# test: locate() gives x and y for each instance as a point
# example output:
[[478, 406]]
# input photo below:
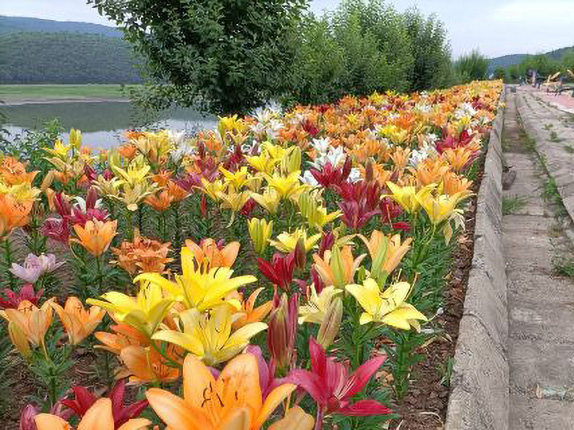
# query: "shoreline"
[[47, 100]]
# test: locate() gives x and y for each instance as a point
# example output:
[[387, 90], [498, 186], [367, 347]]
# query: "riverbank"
[[28, 94]]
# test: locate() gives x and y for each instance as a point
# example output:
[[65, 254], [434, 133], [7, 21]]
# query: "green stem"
[[9, 260]]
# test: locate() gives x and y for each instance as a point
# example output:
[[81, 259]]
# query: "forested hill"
[[11, 24], [38, 51], [515, 59]]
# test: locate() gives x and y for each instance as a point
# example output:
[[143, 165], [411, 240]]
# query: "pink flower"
[[332, 388], [14, 299], [35, 266], [282, 331], [57, 229], [84, 400], [279, 270]]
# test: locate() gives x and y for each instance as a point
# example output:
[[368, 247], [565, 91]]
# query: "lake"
[[101, 123]]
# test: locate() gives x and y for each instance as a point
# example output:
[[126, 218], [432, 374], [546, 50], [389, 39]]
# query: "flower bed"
[[284, 269]]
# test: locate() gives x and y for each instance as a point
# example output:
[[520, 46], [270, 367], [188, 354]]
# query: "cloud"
[[535, 12]]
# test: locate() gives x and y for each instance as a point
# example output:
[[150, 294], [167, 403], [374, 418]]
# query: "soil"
[[425, 405]]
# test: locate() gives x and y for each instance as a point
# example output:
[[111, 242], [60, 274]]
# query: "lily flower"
[[123, 336], [26, 293], [209, 337], [146, 365], [439, 208], [144, 312], [31, 321], [279, 270], [295, 419], [210, 254], [83, 400], [249, 313], [332, 388], [269, 200], [315, 309], [160, 201], [232, 401], [96, 236], [286, 186], [197, 289], [77, 321], [386, 252], [388, 307], [337, 267], [35, 266], [13, 214], [282, 331], [98, 417], [408, 197], [142, 255], [287, 242], [260, 231]]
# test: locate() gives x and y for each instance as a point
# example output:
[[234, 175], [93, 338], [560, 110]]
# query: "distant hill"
[[41, 51], [11, 24], [509, 60]]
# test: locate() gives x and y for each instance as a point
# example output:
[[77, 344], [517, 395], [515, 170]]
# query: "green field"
[[51, 92]]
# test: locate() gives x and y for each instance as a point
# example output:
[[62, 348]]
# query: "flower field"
[[280, 272]]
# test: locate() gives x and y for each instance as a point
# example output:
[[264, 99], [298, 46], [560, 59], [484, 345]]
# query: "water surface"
[[101, 123]]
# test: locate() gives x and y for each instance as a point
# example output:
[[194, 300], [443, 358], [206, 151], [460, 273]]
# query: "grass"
[[569, 148], [511, 205], [564, 266], [39, 92]]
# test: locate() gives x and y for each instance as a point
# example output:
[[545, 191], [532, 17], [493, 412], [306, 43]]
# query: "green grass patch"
[[511, 205], [38, 92], [569, 148], [564, 266]]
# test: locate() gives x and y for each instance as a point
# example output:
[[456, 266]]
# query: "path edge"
[[479, 394]]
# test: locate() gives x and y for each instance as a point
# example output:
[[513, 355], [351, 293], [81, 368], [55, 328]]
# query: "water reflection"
[[101, 122]]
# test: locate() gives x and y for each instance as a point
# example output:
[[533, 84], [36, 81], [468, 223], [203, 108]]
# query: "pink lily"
[[14, 299]]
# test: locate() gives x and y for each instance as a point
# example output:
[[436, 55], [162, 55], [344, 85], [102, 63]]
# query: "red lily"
[[280, 270], [57, 229], [330, 385], [367, 194], [389, 210], [332, 176], [327, 242], [355, 214], [449, 141], [85, 399], [13, 299]]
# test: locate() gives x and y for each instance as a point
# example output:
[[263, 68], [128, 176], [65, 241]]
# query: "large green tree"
[[224, 56]]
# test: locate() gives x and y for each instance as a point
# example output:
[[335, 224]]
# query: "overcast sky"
[[495, 27]]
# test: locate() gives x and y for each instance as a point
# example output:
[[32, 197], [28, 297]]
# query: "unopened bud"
[[329, 328]]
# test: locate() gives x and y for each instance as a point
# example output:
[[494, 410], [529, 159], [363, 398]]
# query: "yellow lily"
[[231, 199], [60, 149], [144, 312], [233, 401], [260, 231], [262, 163], [237, 178], [209, 337], [388, 307], [314, 212], [136, 171], [316, 308], [295, 419], [286, 242], [197, 289], [439, 208], [269, 200], [287, 186], [408, 196], [212, 189]]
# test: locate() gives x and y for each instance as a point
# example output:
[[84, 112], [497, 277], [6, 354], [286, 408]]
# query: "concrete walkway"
[[541, 305]]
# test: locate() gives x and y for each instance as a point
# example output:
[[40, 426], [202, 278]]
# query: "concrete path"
[[541, 305]]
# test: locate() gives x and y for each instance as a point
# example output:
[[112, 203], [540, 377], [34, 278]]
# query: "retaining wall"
[[479, 397]]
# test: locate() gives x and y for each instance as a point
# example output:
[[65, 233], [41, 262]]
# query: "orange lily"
[[98, 417], [208, 254], [147, 365], [160, 201], [386, 252], [337, 267], [249, 313], [13, 172], [30, 320], [78, 322], [13, 213], [143, 255], [124, 335], [231, 402], [96, 236]]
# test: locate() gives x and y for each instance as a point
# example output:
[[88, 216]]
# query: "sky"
[[494, 27]]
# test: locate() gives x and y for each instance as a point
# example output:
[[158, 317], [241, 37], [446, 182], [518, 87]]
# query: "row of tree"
[[233, 56], [544, 64]]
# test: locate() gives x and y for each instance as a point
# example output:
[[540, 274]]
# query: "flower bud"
[[331, 323], [282, 330], [299, 254]]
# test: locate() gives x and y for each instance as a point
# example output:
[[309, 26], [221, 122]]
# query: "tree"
[[500, 73], [471, 67], [432, 67], [221, 56]]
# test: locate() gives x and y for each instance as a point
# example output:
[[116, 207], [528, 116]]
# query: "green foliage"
[[222, 56], [432, 66], [500, 73], [542, 63], [471, 67], [366, 46], [65, 58]]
